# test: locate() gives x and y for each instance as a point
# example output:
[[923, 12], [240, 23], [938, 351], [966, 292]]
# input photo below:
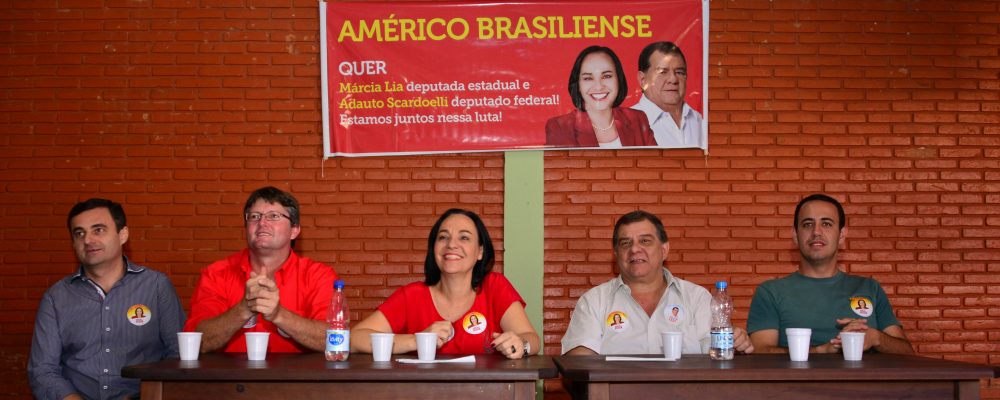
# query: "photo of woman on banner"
[[597, 86]]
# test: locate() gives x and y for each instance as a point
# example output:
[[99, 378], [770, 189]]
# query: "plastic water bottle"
[[722, 328], [338, 318]]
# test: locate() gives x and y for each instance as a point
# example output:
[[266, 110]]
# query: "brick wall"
[[892, 107], [179, 109]]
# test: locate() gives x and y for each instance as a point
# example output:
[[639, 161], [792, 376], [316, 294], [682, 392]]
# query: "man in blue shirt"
[[109, 314]]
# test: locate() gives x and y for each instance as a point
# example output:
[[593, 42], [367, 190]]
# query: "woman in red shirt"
[[472, 310]]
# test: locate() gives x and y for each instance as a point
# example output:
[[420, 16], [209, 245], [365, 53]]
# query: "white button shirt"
[[666, 132], [608, 320]]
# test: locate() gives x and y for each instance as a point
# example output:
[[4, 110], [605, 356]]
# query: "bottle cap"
[[720, 285], [338, 284]]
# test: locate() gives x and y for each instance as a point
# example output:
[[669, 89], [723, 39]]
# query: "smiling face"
[[598, 82], [818, 234], [639, 252], [264, 235], [456, 246], [97, 241], [665, 82]]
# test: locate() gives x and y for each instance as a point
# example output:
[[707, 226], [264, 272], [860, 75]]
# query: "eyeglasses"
[[272, 216]]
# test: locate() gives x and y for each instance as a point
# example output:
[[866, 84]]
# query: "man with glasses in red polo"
[[266, 287]]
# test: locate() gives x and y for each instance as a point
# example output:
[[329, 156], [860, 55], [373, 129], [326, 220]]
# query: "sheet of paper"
[[619, 358], [466, 359]]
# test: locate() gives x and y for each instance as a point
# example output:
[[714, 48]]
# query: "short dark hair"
[[638, 216], [116, 210], [432, 273], [274, 195], [820, 197], [574, 77], [662, 47]]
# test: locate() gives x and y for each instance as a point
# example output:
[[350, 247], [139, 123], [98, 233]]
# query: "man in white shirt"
[[627, 314], [663, 78]]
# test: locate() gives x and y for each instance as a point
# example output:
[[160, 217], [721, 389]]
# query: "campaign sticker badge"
[[862, 306], [617, 321], [474, 323], [139, 315], [674, 313]]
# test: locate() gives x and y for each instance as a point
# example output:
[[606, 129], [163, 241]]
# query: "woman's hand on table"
[[509, 344]]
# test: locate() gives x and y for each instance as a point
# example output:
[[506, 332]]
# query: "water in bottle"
[[338, 334], [722, 329]]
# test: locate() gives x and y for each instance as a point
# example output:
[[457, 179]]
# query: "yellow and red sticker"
[[139, 315], [474, 323], [862, 306], [617, 321]]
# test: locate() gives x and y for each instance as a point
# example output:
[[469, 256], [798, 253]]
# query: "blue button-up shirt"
[[83, 336]]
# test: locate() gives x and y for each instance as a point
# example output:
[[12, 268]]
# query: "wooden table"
[[310, 376], [772, 377]]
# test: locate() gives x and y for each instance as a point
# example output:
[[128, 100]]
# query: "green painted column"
[[524, 232], [523, 223]]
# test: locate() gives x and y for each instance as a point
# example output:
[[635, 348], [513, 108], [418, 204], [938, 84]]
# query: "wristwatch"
[[527, 348]]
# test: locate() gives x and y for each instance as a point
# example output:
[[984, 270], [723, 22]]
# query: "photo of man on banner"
[[663, 77]]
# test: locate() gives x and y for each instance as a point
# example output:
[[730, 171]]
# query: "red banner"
[[416, 77]]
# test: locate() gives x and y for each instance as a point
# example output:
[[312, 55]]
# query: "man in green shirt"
[[820, 296]]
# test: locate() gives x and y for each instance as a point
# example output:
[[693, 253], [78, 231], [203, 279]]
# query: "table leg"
[[151, 390], [599, 391], [967, 390]]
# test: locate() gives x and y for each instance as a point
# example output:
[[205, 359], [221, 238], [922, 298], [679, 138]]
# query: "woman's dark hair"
[[432, 273], [574, 77]]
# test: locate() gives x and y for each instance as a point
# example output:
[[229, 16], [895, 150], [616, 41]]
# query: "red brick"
[[903, 128]]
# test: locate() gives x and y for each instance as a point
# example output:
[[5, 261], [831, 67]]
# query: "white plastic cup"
[[426, 345], [257, 345], [798, 343], [673, 343], [382, 346], [853, 345], [190, 345]]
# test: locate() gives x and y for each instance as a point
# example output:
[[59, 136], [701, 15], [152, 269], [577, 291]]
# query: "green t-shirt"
[[797, 301]]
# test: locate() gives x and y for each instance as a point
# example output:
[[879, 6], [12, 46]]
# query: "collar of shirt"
[[671, 283], [824, 281], [286, 267], [654, 113], [130, 268]]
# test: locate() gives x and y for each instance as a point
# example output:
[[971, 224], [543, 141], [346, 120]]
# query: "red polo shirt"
[[305, 287]]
